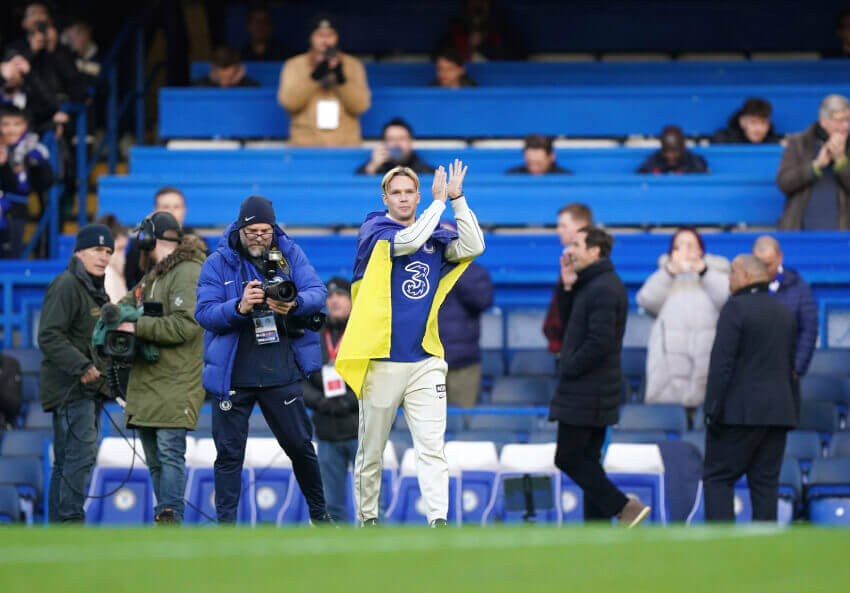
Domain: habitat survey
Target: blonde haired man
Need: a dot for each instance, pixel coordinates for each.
(391, 354)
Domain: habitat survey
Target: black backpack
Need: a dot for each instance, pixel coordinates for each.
(10, 389)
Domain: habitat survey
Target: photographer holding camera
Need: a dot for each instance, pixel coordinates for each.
(164, 396)
(71, 384)
(325, 91)
(258, 300)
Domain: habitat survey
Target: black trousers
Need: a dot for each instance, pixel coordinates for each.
(733, 451)
(579, 455)
(283, 409)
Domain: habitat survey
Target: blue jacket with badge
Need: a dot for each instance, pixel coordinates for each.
(220, 288)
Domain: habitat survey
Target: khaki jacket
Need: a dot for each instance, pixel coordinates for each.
(299, 94)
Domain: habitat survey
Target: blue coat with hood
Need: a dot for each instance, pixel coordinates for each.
(220, 288)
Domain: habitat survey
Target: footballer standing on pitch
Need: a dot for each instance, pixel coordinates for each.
(391, 353)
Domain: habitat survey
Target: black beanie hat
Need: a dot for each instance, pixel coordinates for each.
(255, 210)
(340, 285)
(94, 235)
(164, 221)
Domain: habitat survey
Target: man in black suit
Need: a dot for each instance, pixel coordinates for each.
(750, 404)
(594, 304)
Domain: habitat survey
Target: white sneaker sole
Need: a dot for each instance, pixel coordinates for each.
(643, 515)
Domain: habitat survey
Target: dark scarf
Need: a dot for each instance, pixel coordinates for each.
(94, 285)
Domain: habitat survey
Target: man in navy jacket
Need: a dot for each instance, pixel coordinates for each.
(793, 292)
(252, 355)
(750, 402)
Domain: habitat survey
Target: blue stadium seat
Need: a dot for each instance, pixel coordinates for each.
(120, 496)
(30, 388)
(25, 443)
(839, 445)
(10, 504)
(26, 474)
(506, 422)
(790, 491)
(522, 391)
(28, 358)
(499, 513)
(257, 425)
(830, 361)
(803, 446)
(492, 363)
(820, 416)
(638, 436)
(533, 363)
(670, 418)
(200, 492)
(697, 439)
(829, 491)
(499, 437)
(824, 387)
(633, 362)
(408, 507)
(37, 418)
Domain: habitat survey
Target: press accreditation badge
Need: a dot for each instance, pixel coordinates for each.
(332, 382)
(265, 328)
(327, 114)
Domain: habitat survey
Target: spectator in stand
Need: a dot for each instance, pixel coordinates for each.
(226, 71)
(24, 168)
(484, 33)
(813, 173)
(749, 125)
(450, 71)
(673, 157)
(167, 199)
(460, 329)
(262, 46)
(21, 89)
(793, 292)
(684, 296)
(334, 404)
(325, 92)
(114, 281)
(78, 36)
(395, 151)
(50, 62)
(842, 31)
(539, 158)
(571, 218)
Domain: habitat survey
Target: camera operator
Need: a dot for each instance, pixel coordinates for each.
(165, 397)
(71, 385)
(325, 91)
(253, 351)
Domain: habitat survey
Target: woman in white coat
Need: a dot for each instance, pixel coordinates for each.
(685, 296)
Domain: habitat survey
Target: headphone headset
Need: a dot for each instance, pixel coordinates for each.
(146, 234)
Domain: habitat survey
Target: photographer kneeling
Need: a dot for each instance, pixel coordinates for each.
(258, 300)
(164, 397)
(71, 384)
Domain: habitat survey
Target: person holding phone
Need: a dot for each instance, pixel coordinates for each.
(396, 150)
(324, 91)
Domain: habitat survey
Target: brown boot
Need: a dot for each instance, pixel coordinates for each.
(633, 512)
(166, 517)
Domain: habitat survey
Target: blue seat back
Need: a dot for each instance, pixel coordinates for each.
(271, 488)
(533, 363)
(500, 514)
(28, 358)
(669, 418)
(10, 504)
(37, 418)
(200, 491)
(25, 473)
(824, 387)
(478, 490)
(638, 436)
(522, 391)
(25, 443)
(523, 423)
(830, 361)
(409, 507)
(120, 496)
(839, 446)
(819, 416)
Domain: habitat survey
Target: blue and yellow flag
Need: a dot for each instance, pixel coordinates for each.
(369, 331)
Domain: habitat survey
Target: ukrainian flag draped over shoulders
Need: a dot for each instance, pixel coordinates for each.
(369, 331)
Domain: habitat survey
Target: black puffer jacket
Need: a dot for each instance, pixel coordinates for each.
(590, 376)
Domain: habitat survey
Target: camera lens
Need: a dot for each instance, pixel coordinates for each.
(119, 343)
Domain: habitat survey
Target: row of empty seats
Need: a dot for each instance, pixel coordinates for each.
(502, 112)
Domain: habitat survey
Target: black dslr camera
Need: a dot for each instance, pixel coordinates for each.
(276, 288)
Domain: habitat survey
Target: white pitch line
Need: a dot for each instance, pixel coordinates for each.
(381, 543)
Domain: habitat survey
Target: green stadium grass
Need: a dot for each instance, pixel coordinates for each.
(492, 559)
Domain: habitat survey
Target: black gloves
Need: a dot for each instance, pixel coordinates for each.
(320, 71)
(323, 69)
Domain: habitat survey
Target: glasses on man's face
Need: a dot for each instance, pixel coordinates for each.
(256, 236)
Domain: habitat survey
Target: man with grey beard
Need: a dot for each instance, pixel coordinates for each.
(254, 350)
